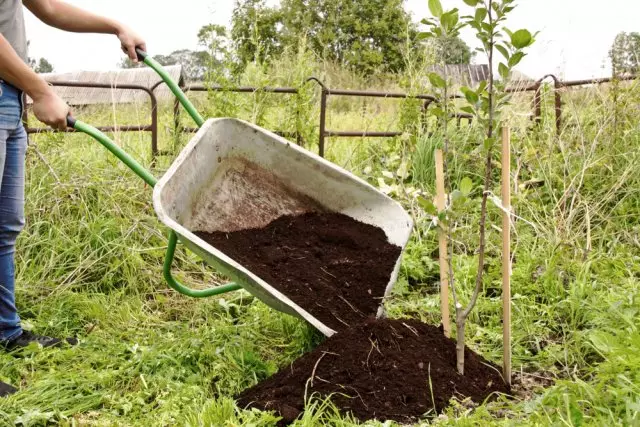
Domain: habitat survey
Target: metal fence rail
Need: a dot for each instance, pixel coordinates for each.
(153, 127)
(326, 92)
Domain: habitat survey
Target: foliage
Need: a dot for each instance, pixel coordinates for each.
(194, 63)
(197, 65)
(39, 65)
(255, 31)
(362, 36)
(90, 259)
(486, 103)
(453, 50)
(625, 54)
(44, 66)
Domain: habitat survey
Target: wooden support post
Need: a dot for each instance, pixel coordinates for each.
(442, 235)
(506, 253)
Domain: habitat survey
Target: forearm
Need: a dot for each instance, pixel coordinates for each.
(70, 18)
(14, 71)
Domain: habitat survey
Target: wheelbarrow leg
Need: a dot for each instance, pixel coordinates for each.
(177, 286)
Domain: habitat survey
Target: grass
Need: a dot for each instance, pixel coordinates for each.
(89, 264)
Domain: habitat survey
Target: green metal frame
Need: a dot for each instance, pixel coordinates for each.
(151, 180)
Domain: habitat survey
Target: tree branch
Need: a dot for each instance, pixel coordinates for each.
(487, 177)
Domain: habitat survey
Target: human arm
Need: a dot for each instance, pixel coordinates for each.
(47, 105)
(67, 17)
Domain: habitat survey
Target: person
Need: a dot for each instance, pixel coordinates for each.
(16, 79)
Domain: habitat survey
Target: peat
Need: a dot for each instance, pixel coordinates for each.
(330, 264)
(388, 369)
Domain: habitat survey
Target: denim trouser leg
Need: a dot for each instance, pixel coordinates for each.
(13, 145)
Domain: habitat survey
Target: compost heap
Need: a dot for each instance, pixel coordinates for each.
(331, 265)
(337, 269)
(388, 369)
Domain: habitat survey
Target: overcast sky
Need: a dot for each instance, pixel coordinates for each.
(574, 38)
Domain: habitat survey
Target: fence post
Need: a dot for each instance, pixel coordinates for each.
(558, 99)
(323, 120)
(537, 103)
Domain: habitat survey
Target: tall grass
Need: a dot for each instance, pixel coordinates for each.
(89, 264)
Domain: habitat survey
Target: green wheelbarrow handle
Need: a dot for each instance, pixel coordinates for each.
(151, 180)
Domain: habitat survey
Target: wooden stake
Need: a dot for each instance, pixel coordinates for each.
(506, 253)
(442, 236)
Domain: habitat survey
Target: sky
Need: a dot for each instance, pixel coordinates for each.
(573, 43)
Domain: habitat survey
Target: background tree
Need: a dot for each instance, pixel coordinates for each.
(44, 66)
(625, 54)
(364, 36)
(453, 50)
(39, 65)
(255, 31)
(214, 39)
(194, 63)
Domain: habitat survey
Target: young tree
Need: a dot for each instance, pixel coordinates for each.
(486, 102)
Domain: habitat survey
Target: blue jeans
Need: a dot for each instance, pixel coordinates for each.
(13, 146)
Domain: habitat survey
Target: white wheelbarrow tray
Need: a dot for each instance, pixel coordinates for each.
(234, 175)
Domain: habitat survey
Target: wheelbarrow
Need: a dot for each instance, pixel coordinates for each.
(235, 175)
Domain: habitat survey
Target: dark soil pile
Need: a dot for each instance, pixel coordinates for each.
(329, 264)
(379, 369)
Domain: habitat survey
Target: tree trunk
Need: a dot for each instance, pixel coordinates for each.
(460, 321)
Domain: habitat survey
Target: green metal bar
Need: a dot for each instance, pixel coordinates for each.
(117, 151)
(151, 180)
(168, 277)
(158, 68)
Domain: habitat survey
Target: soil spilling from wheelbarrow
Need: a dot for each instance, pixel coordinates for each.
(388, 369)
(331, 265)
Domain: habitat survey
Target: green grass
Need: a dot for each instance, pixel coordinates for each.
(89, 264)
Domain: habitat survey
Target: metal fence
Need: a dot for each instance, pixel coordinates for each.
(153, 127)
(325, 94)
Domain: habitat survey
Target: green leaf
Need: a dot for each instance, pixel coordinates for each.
(437, 111)
(468, 109)
(521, 39)
(488, 143)
(428, 206)
(515, 59)
(504, 71)
(423, 36)
(435, 7)
(472, 3)
(403, 170)
(482, 86)
(503, 51)
(437, 81)
(481, 14)
(602, 341)
(457, 198)
(442, 217)
(470, 95)
(466, 185)
(449, 20)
